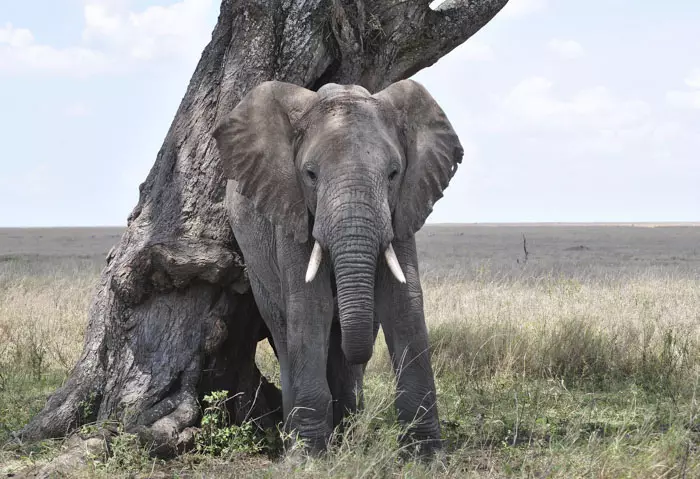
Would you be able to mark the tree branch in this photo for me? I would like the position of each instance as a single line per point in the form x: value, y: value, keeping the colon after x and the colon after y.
x: 454, y: 21
x: 444, y: 29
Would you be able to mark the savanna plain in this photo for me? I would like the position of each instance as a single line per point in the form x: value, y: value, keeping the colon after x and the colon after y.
x: 579, y: 358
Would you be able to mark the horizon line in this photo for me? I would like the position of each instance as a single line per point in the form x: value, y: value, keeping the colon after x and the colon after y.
x: 444, y: 224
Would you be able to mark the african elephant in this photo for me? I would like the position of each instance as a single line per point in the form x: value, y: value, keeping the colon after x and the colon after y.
x: 325, y: 192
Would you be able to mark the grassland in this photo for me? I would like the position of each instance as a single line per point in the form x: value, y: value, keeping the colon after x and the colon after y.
x: 580, y: 360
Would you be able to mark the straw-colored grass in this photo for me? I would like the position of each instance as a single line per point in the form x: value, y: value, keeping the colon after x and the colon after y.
x: 537, y: 377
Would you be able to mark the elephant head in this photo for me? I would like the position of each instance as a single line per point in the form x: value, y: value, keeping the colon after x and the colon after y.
x: 359, y: 169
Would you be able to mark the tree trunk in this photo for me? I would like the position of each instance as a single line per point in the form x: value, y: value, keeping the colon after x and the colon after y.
x: 173, y: 318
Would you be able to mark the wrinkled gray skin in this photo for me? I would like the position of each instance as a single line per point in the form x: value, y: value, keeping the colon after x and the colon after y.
x: 355, y: 172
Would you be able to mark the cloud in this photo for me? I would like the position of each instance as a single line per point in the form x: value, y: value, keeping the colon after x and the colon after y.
x: 567, y: 49
x: 534, y: 102
x: 693, y: 80
x: 591, y: 119
x: 20, y: 53
x: 517, y: 8
x: 687, y: 98
x: 15, y: 37
x: 114, y: 38
x: 684, y: 99
x: 179, y: 29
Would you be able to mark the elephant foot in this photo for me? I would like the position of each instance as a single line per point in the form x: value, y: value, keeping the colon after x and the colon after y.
x: 314, y: 445
x: 424, y: 447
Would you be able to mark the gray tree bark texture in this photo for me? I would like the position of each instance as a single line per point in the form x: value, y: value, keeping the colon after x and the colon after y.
x: 172, y: 317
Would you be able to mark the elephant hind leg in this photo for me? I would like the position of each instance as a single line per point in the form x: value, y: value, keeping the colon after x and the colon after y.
x: 344, y: 379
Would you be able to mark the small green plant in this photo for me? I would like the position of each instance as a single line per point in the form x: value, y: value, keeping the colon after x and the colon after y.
x: 218, y: 437
x: 127, y: 454
x: 87, y: 408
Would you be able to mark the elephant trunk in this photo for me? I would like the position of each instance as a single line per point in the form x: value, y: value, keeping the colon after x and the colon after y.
x: 354, y: 224
x: 355, y: 268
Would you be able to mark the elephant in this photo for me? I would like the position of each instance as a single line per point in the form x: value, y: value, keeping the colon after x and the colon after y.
x: 325, y: 191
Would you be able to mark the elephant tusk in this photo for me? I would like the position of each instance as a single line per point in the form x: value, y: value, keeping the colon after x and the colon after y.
x: 314, y: 262
x: 393, y: 263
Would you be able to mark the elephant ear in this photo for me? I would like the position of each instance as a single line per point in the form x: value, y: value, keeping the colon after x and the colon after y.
x: 433, y: 152
x: 256, y: 145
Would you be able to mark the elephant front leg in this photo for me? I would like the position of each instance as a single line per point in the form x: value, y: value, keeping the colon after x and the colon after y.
x: 400, y: 310
x: 310, y: 415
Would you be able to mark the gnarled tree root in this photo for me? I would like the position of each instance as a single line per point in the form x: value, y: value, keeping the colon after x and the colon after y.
x: 165, y: 351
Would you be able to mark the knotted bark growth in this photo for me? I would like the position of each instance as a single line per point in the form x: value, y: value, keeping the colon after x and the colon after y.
x: 172, y: 317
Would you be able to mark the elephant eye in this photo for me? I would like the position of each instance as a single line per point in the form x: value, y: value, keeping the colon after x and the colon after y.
x: 311, y: 175
x: 393, y: 174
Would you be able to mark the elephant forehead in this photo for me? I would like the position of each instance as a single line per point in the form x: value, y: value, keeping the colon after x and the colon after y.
x: 342, y: 114
x: 348, y: 124
x: 344, y: 124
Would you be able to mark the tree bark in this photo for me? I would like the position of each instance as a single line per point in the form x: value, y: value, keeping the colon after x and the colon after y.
x: 172, y: 317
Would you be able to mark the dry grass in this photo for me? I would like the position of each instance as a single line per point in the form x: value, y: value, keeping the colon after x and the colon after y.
x: 542, y: 376
x: 43, y: 310
x: 42, y: 321
x: 567, y: 329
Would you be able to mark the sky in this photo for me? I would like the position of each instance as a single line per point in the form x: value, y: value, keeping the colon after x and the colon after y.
x: 568, y: 111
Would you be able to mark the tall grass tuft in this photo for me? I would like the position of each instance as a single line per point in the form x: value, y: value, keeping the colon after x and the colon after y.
x: 588, y: 334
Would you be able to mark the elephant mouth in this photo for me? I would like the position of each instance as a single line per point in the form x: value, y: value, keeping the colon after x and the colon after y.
x: 389, y: 254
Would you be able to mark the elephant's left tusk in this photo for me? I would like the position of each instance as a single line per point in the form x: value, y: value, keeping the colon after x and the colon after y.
x: 314, y: 262
x: 393, y: 263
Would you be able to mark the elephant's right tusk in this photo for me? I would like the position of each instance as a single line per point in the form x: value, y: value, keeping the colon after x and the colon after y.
x: 393, y: 263
x: 314, y: 262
